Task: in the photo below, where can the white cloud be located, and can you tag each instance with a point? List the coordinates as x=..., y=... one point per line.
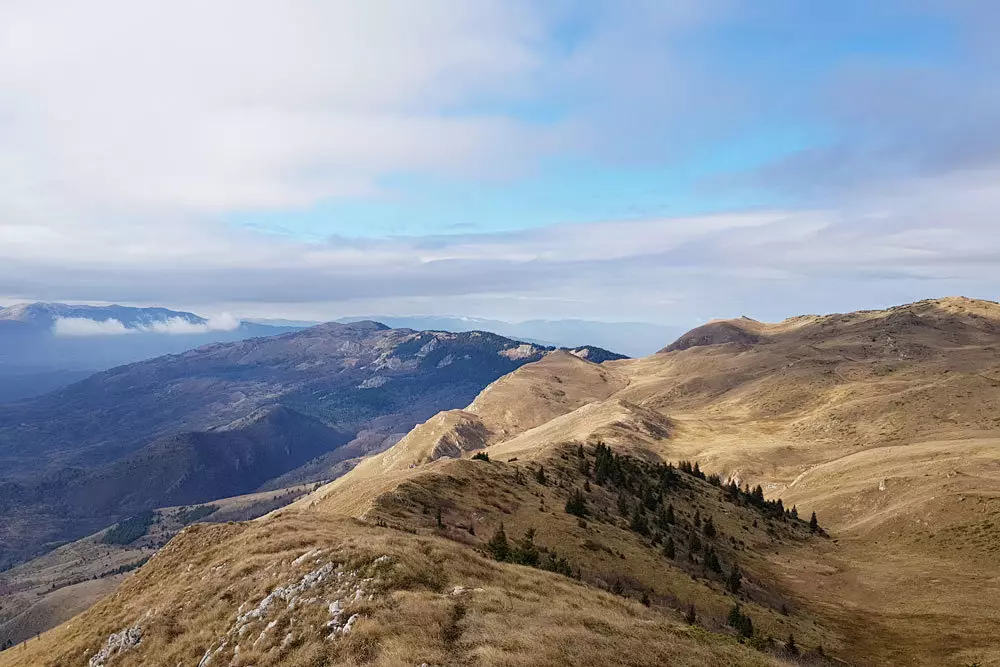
x=116, y=107
x=82, y=326
x=175, y=326
x=181, y=326
x=879, y=250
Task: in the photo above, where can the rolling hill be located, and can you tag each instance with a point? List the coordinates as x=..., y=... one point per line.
x=559, y=518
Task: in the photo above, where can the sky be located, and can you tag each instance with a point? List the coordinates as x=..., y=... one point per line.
x=668, y=162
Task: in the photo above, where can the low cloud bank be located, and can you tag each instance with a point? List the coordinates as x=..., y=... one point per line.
x=174, y=326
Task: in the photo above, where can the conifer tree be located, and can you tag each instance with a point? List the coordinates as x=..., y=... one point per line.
x=638, y=522
x=526, y=552
x=735, y=580
x=712, y=560
x=670, y=514
x=694, y=543
x=498, y=546
x=709, y=528
x=668, y=549
x=813, y=523
x=692, y=615
x=577, y=504
x=540, y=475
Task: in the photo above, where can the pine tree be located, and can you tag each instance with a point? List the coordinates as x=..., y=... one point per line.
x=526, y=553
x=734, y=616
x=711, y=560
x=691, y=617
x=577, y=504
x=623, y=508
x=439, y=521
x=694, y=543
x=709, y=528
x=790, y=647
x=668, y=549
x=746, y=626
x=586, y=485
x=498, y=546
x=638, y=522
x=813, y=523
x=697, y=519
x=580, y=452
x=735, y=580
x=670, y=514
x=540, y=475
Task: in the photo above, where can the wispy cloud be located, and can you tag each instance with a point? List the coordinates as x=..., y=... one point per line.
x=177, y=326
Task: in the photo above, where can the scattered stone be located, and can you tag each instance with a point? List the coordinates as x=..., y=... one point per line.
x=117, y=643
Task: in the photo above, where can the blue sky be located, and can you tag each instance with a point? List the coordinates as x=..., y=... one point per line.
x=786, y=54
x=667, y=162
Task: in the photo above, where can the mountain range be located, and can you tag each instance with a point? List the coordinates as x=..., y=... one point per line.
x=44, y=346
x=224, y=418
x=821, y=490
x=635, y=339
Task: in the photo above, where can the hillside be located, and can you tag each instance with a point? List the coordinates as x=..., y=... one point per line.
x=155, y=432
x=884, y=423
x=40, y=594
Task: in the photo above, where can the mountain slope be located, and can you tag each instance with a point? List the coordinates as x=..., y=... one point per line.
x=884, y=422
x=339, y=592
x=84, y=441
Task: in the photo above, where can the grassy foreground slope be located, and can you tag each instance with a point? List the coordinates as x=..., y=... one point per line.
x=284, y=589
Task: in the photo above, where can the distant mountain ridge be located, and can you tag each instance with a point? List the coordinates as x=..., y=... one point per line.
x=45, y=314
x=44, y=346
x=183, y=426
x=635, y=339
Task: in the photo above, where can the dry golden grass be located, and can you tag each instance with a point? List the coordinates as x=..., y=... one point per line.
x=819, y=410
x=40, y=594
x=187, y=597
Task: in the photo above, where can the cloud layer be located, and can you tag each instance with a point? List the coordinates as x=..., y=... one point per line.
x=131, y=133
x=177, y=326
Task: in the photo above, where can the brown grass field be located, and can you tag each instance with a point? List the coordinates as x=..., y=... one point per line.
x=885, y=423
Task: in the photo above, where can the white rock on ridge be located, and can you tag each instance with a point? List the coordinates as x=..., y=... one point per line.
x=117, y=643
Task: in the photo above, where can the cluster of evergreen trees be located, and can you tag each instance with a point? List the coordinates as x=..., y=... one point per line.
x=525, y=552
x=129, y=530
x=642, y=488
x=747, y=497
